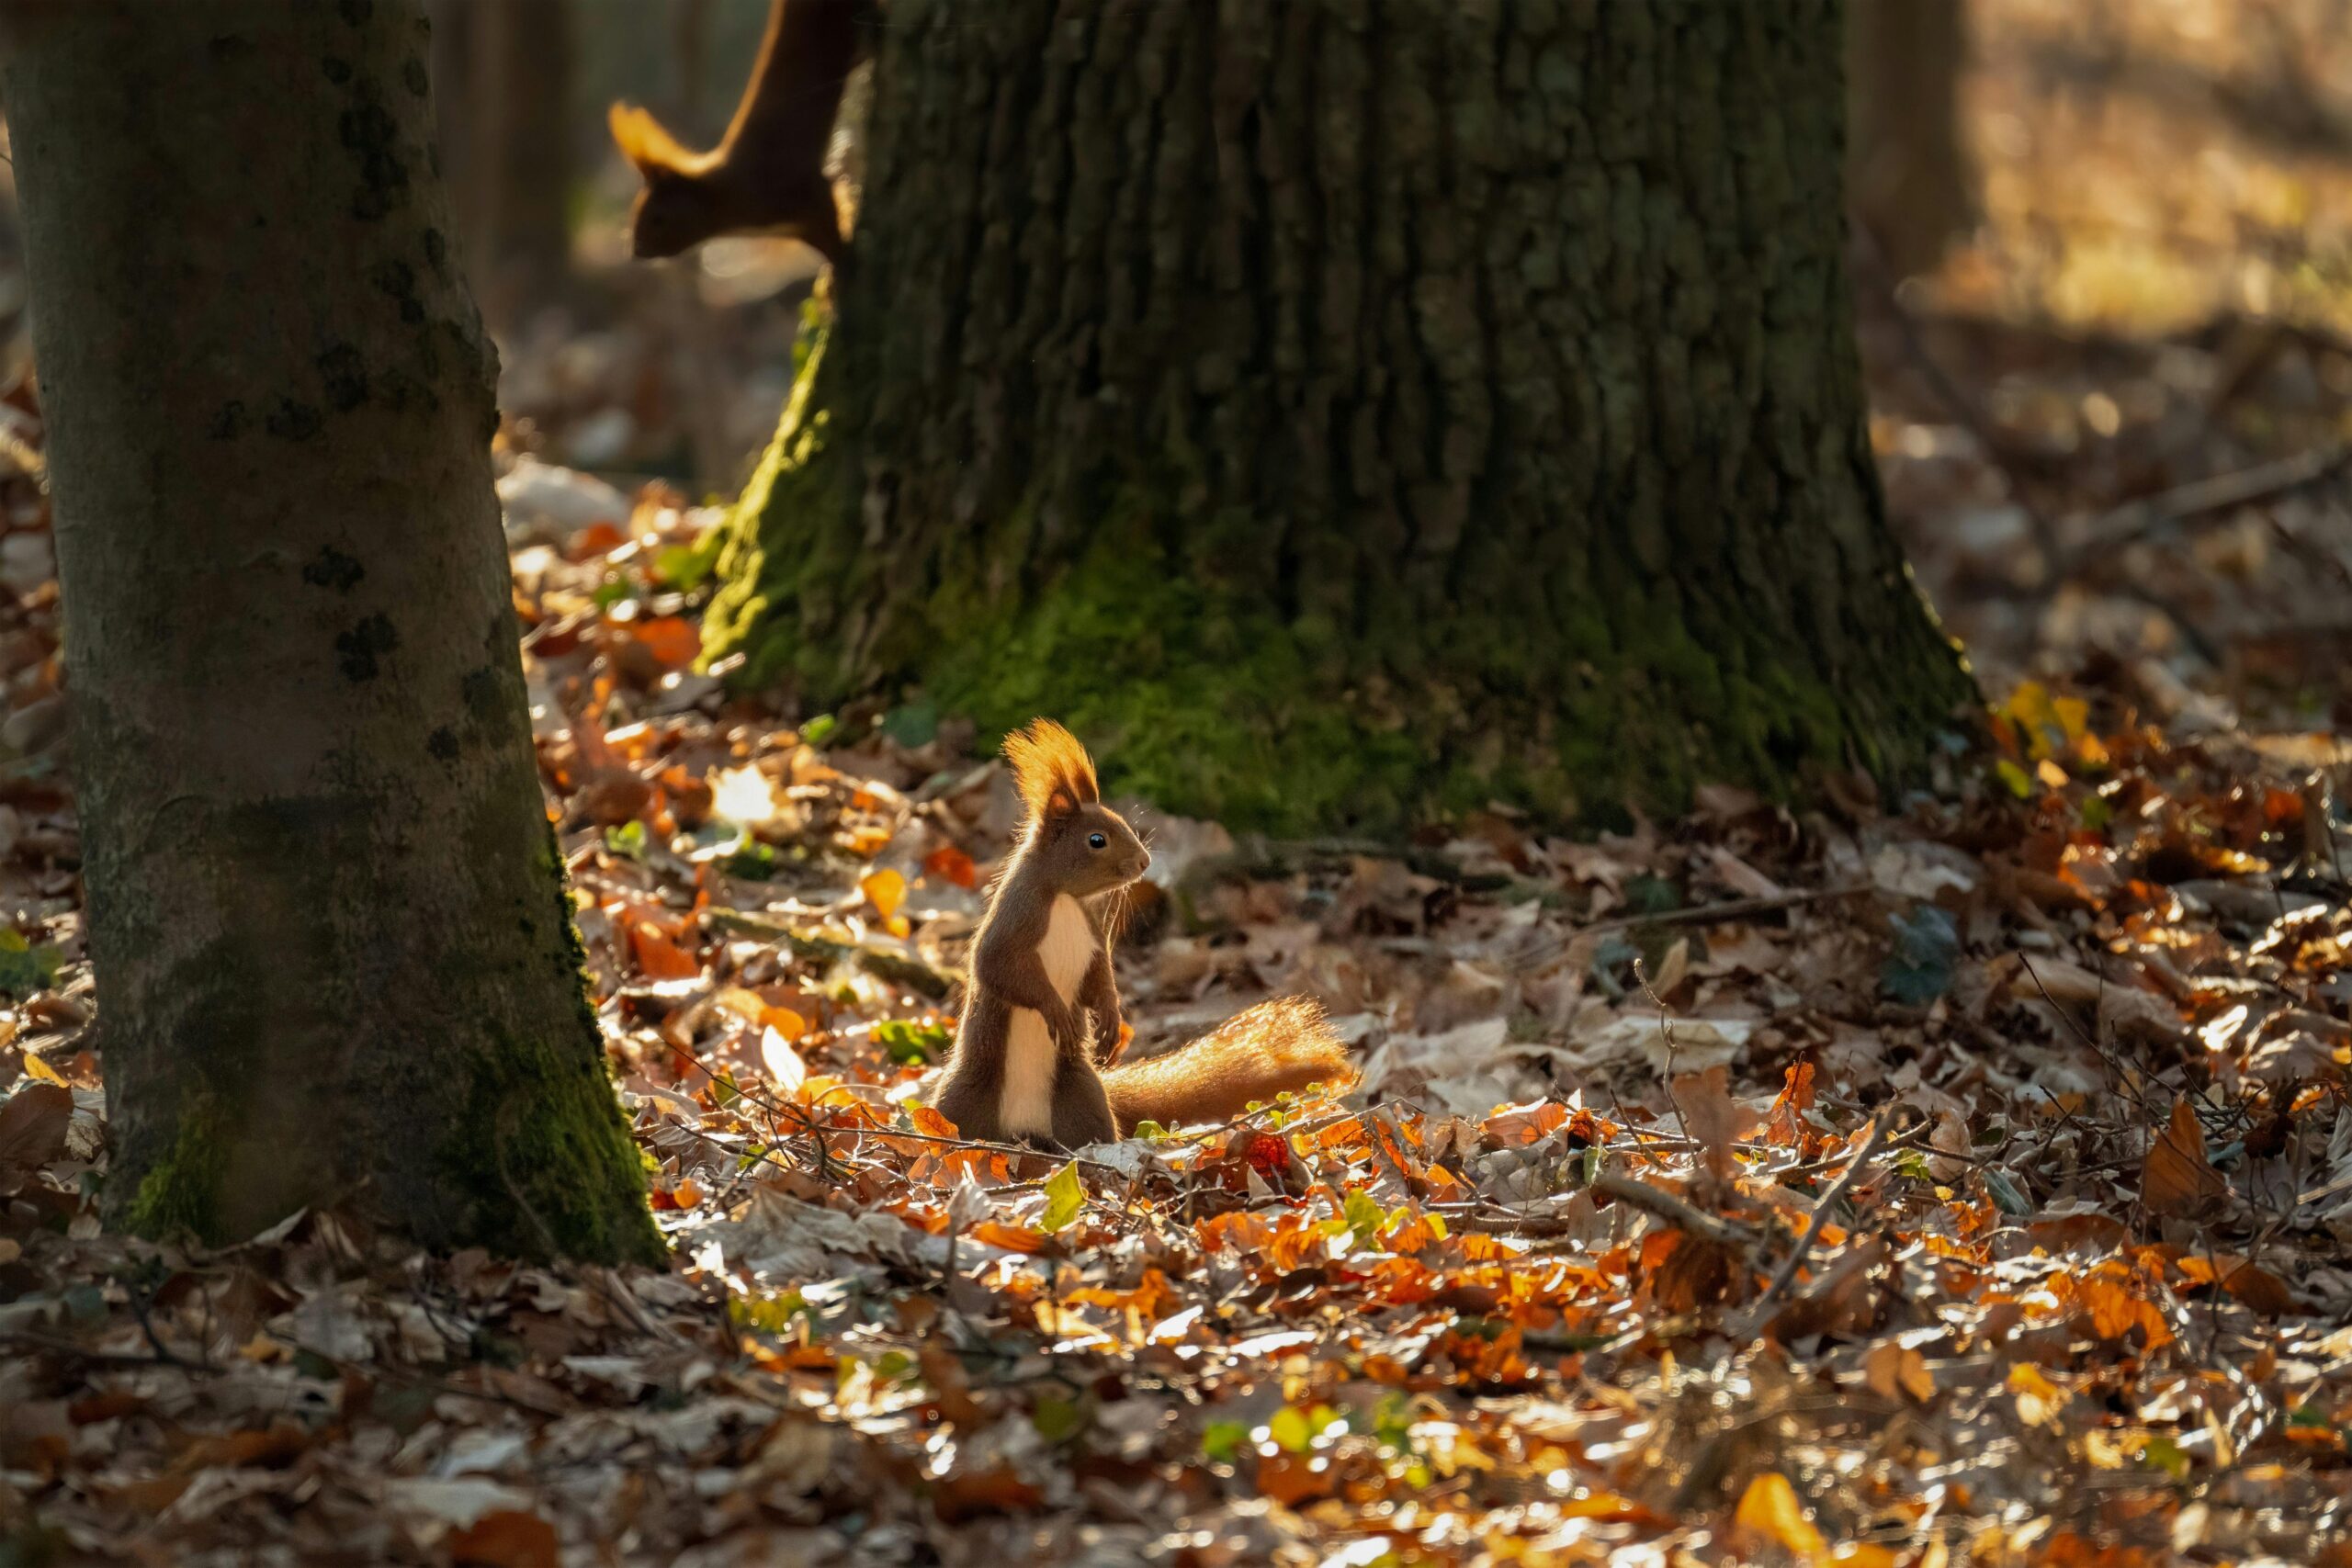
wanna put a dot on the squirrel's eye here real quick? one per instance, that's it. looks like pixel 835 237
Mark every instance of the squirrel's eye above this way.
pixel 1097 841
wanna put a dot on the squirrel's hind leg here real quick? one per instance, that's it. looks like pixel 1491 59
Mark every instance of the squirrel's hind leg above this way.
pixel 1081 1110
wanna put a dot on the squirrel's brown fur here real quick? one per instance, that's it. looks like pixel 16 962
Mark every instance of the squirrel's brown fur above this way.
pixel 1041 1028
pixel 1273 1048
pixel 768 175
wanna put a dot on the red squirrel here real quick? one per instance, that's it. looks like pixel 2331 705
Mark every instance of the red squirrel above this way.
pixel 1035 1057
pixel 768 175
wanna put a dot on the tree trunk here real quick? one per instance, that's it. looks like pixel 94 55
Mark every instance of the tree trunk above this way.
pixel 334 953
pixel 1340 410
pixel 1907 178
pixel 503 73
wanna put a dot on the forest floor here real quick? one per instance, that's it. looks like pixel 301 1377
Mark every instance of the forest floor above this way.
pixel 1970 1182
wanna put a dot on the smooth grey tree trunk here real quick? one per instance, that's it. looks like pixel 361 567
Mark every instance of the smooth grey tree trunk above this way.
pixel 334 950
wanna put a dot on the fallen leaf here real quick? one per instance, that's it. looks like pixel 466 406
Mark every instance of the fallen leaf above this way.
pixel 508 1538
pixel 2178 1177
pixel 671 640
pixel 785 1069
pixel 1064 1196
pixel 33 1126
pixel 1894 1370
pixel 657 956
pixel 1768 1510
pixel 952 866
pixel 885 890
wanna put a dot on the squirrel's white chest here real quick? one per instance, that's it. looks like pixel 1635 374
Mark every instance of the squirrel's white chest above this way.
pixel 1065 952
pixel 1069 947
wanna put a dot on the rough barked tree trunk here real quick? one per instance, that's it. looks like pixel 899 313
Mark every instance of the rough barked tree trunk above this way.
pixel 334 954
pixel 1339 408
pixel 1907 176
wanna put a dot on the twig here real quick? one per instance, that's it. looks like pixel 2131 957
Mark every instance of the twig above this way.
pixel 2222 493
pixel 1829 1200
pixel 1657 1200
pixel 1730 909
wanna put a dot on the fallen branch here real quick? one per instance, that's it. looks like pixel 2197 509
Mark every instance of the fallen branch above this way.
pixel 2222 493
pixel 1730 909
pixel 895 968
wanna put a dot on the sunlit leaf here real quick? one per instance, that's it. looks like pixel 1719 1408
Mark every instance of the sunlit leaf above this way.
pixel 1064 1196
pixel 1769 1509
pixel 885 889
pixel 2178 1177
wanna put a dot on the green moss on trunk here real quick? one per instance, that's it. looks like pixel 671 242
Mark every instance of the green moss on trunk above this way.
pixel 179 1197
pixel 1344 415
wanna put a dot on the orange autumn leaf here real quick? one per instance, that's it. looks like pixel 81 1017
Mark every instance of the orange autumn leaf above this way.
pixel 1012 1239
pixel 658 956
pixel 1784 1121
pixel 671 640
pixel 506 1538
pixel 2178 1177
pixel 885 890
pixel 596 539
pixel 2257 1288
pixel 930 1122
pixel 952 866
pixel 1769 1510
pixel 2115 1309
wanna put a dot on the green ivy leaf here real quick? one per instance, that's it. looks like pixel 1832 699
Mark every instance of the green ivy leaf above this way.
pixel 1056 1417
pixel 1222 1441
pixel 1927 946
pixel 628 840
pixel 911 1043
pixel 916 724
pixel 25 968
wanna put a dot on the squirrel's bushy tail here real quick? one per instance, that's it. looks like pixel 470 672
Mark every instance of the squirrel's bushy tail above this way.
pixel 1254 1056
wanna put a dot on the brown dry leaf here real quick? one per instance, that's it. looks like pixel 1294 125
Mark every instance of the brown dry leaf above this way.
pixel 2256 1286
pixel 1714 1117
pixel 1893 1369
pixel 657 956
pixel 1785 1120
pixel 2178 1177
pixel 32 1128
pixel 506 1539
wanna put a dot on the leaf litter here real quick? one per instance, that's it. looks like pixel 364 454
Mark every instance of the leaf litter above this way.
pixel 1969 1185
pixel 1972 1183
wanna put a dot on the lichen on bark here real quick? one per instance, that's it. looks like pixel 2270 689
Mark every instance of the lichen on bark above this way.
pixel 1346 412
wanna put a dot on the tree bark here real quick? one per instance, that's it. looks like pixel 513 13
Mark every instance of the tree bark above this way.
pixel 1907 176
pixel 503 73
pixel 1340 410
pixel 334 953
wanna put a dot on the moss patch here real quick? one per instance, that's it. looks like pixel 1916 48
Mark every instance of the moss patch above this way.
pixel 180 1195
pixel 1159 641
pixel 542 1153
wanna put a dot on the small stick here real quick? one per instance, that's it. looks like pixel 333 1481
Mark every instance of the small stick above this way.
pixel 1666 1206
pixel 1838 1190
pixel 1730 909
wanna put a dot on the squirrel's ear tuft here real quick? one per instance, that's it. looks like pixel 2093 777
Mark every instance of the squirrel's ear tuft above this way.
pixel 1052 769
pixel 642 141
